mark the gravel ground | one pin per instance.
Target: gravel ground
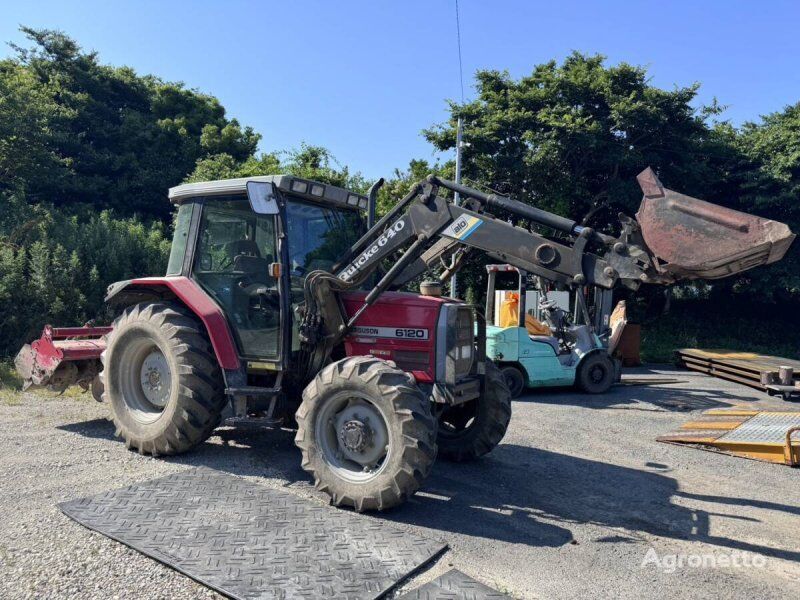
(568, 505)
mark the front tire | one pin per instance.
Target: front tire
(596, 373)
(366, 433)
(470, 430)
(161, 379)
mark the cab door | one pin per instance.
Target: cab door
(232, 263)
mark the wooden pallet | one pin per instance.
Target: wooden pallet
(742, 367)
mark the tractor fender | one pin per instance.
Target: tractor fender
(192, 296)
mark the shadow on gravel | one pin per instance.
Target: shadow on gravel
(531, 496)
(624, 396)
(96, 428)
(515, 494)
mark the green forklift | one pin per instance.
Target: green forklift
(565, 348)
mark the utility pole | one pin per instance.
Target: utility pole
(459, 144)
(457, 196)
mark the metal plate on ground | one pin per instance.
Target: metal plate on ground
(250, 541)
(764, 428)
(761, 435)
(453, 585)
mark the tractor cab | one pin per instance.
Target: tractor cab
(252, 260)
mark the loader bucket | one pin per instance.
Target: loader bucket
(693, 239)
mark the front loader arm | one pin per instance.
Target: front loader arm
(526, 250)
(421, 229)
(424, 227)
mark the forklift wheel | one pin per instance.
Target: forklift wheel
(366, 433)
(515, 380)
(596, 373)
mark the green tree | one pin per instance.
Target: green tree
(399, 184)
(571, 137)
(766, 182)
(110, 138)
(310, 162)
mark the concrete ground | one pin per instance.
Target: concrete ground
(579, 500)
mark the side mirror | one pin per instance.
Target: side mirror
(262, 197)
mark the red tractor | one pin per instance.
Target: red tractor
(278, 288)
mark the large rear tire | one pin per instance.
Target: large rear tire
(470, 430)
(366, 433)
(161, 379)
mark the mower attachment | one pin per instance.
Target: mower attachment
(693, 239)
(62, 357)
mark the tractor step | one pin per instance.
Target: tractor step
(251, 390)
(252, 422)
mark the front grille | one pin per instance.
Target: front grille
(462, 350)
(412, 360)
(455, 342)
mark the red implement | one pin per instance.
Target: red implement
(62, 357)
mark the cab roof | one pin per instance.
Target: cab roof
(297, 186)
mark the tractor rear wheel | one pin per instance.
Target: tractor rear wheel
(161, 379)
(470, 430)
(366, 433)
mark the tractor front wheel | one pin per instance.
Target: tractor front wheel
(161, 379)
(366, 433)
(470, 430)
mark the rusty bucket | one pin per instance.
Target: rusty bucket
(693, 239)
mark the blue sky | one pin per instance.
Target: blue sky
(363, 78)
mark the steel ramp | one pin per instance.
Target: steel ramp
(772, 436)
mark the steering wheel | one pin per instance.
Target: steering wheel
(547, 304)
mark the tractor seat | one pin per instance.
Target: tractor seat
(547, 339)
(252, 265)
(245, 247)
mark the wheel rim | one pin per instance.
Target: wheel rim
(144, 379)
(456, 421)
(597, 373)
(353, 434)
